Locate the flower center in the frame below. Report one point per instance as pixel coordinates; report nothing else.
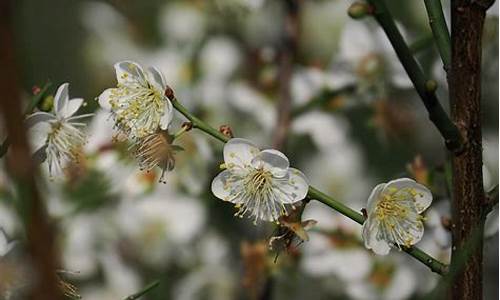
(394, 204)
(259, 181)
(137, 109)
(63, 143)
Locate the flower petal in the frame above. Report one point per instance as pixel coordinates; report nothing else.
(130, 73)
(374, 197)
(155, 78)
(239, 152)
(273, 161)
(38, 135)
(168, 115)
(38, 117)
(61, 98)
(370, 232)
(225, 189)
(104, 98)
(71, 107)
(423, 198)
(292, 188)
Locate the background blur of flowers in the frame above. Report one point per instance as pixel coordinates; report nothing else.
(119, 229)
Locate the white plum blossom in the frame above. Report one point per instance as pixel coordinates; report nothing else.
(58, 136)
(138, 104)
(394, 218)
(260, 183)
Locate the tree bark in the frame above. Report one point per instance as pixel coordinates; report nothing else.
(468, 195)
(40, 243)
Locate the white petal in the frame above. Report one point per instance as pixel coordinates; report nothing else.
(273, 161)
(155, 77)
(71, 108)
(370, 231)
(356, 41)
(38, 117)
(219, 184)
(38, 135)
(423, 198)
(239, 152)
(374, 197)
(104, 98)
(168, 115)
(292, 188)
(130, 73)
(61, 98)
(491, 224)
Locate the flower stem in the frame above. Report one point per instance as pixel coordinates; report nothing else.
(439, 30)
(313, 193)
(437, 115)
(199, 124)
(145, 290)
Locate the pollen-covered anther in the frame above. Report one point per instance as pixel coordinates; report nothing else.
(155, 150)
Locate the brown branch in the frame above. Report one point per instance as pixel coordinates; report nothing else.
(22, 169)
(468, 194)
(287, 56)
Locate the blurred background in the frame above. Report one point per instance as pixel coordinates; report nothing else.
(355, 122)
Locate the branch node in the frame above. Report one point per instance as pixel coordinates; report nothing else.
(359, 10)
(169, 93)
(226, 130)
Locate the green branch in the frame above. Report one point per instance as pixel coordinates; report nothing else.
(426, 91)
(315, 194)
(439, 30)
(142, 292)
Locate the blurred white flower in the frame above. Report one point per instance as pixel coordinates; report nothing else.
(336, 249)
(58, 137)
(366, 55)
(119, 281)
(160, 224)
(490, 179)
(182, 23)
(258, 182)
(386, 281)
(219, 58)
(212, 278)
(85, 234)
(245, 98)
(394, 215)
(138, 104)
(100, 132)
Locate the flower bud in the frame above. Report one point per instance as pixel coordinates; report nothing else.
(359, 10)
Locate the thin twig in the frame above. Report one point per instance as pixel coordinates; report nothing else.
(144, 291)
(439, 30)
(433, 264)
